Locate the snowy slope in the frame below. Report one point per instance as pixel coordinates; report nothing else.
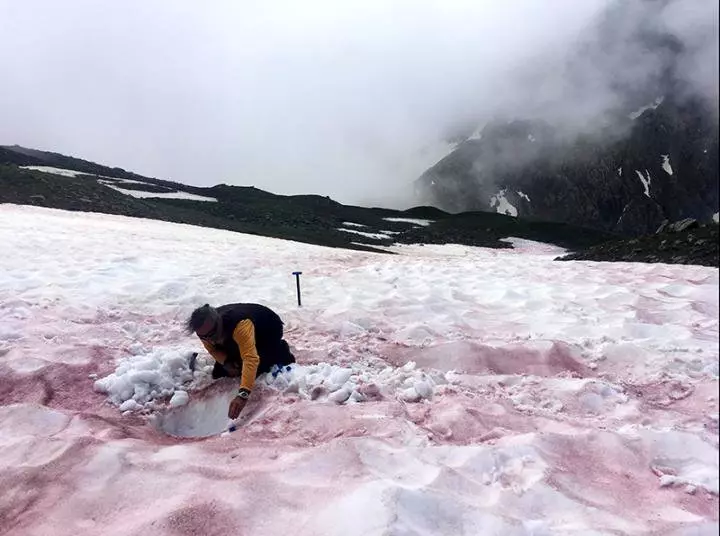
(444, 390)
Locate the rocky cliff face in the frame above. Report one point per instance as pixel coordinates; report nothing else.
(665, 169)
(652, 156)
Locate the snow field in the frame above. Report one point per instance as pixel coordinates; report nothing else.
(444, 390)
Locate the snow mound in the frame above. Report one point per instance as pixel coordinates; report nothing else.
(327, 382)
(142, 381)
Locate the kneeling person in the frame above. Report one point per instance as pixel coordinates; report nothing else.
(245, 339)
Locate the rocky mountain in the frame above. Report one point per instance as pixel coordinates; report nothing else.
(28, 176)
(654, 157)
(33, 177)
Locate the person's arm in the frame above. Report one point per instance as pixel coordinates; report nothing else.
(218, 356)
(244, 336)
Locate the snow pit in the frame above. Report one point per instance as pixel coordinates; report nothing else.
(198, 418)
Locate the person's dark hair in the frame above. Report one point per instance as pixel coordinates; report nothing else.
(198, 317)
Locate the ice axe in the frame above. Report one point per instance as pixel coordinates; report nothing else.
(297, 283)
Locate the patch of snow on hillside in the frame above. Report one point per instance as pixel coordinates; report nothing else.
(73, 174)
(379, 236)
(162, 195)
(645, 181)
(666, 164)
(54, 170)
(502, 205)
(67, 172)
(353, 224)
(637, 113)
(524, 196)
(418, 222)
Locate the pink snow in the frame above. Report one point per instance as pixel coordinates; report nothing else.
(547, 397)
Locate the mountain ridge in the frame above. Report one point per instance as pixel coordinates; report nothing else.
(311, 219)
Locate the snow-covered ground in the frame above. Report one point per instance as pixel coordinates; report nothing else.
(443, 390)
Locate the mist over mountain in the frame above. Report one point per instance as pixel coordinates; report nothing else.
(634, 143)
(354, 100)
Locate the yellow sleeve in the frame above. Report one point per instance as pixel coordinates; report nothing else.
(244, 336)
(217, 354)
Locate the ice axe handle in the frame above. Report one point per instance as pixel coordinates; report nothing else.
(297, 283)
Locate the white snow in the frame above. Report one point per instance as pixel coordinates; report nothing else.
(502, 205)
(653, 105)
(73, 173)
(366, 235)
(441, 390)
(179, 398)
(115, 181)
(666, 164)
(163, 195)
(147, 377)
(56, 171)
(524, 196)
(620, 172)
(415, 221)
(716, 217)
(645, 181)
(353, 224)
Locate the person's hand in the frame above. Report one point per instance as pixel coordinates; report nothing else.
(236, 406)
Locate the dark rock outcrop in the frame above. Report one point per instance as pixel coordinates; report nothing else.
(320, 220)
(666, 169)
(686, 243)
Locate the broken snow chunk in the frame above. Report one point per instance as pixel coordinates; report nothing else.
(180, 398)
(356, 397)
(423, 389)
(410, 395)
(340, 396)
(129, 405)
(340, 376)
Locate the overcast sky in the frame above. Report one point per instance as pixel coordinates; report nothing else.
(342, 98)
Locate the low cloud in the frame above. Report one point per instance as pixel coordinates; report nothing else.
(347, 99)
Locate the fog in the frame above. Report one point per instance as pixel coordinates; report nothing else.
(351, 99)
